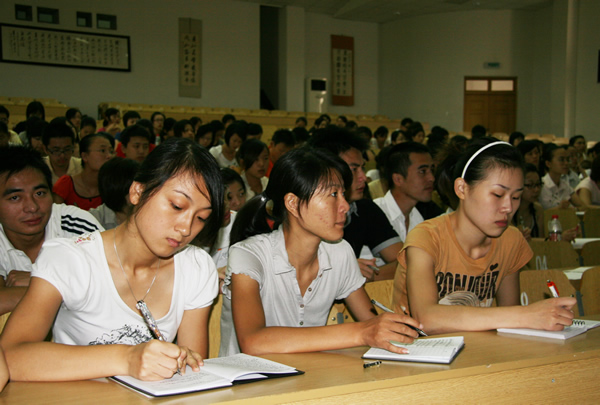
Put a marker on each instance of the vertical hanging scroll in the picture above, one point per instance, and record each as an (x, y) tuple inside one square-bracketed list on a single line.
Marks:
[(190, 66), (342, 70)]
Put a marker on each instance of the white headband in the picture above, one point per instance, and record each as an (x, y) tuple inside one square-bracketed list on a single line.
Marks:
[(489, 145)]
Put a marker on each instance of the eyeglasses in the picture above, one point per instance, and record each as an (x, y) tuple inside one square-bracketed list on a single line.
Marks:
[(58, 152), (534, 185)]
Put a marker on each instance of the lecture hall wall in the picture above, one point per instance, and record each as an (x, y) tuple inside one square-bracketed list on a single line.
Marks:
[(407, 67)]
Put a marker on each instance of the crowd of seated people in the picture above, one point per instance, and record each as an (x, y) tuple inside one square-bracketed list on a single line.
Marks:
[(253, 221)]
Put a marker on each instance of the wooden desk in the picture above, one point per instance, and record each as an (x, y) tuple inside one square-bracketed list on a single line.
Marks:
[(491, 369)]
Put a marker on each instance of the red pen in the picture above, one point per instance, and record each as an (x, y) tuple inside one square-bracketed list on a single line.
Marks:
[(552, 288)]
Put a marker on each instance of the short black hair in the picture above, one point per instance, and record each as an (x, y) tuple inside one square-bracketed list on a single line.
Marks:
[(338, 140), (87, 121), (302, 119), (301, 135), (284, 136), (254, 129), (227, 117), (57, 129), (4, 110), (114, 180), (72, 112), (129, 115), (406, 122), (398, 159), (134, 131), (574, 139), (514, 136), (16, 158), (478, 131), (249, 152), (236, 128)]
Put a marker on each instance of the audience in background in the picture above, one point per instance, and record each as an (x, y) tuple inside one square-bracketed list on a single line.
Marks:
[(380, 137), (114, 180), (301, 122), (478, 131), (168, 129), (301, 136), (282, 141), (415, 133), (253, 157), (135, 141), (35, 131), (4, 134), (28, 219), (112, 122), (205, 136), (588, 189), (254, 131), (88, 126), (34, 108), (235, 134), (409, 171), (73, 116), (556, 191), (574, 166), (341, 121), (196, 122), (227, 120), (218, 132), (82, 189), (158, 122), (516, 138), (58, 140), (183, 129), (580, 145), (405, 123), (531, 154)]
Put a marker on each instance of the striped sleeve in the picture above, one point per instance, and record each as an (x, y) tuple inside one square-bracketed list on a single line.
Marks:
[(75, 221)]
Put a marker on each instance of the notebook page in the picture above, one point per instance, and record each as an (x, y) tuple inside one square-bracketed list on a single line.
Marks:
[(191, 381), (237, 365), (439, 347)]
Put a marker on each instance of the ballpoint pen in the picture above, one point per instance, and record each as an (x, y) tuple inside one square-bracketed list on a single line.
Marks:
[(552, 288), (386, 309)]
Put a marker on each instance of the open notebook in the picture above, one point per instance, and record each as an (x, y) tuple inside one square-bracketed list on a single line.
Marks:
[(216, 373), (422, 350), (579, 326)]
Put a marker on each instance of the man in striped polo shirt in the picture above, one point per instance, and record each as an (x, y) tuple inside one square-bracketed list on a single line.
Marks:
[(28, 218)]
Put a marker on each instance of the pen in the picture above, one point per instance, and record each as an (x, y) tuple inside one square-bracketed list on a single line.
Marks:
[(552, 288), (375, 269), (375, 363), (152, 325), (386, 309)]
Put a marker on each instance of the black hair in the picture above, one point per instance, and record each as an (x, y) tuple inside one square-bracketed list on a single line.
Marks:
[(338, 140), (169, 124), (326, 117), (406, 122), (235, 128), (57, 129), (228, 117), (381, 132), (4, 110), (343, 118), (445, 174), (548, 155), (217, 125), (529, 168), (146, 123), (16, 158), (109, 113), (4, 128), (35, 107), (459, 143), (71, 113), (514, 136), (129, 115), (249, 152), (303, 119), (574, 139), (503, 156), (380, 160), (86, 142), (181, 156), (302, 172), (364, 132), (203, 130), (179, 127), (254, 129), (132, 131), (595, 173), (351, 124), (87, 121), (35, 127), (284, 136), (114, 180), (230, 176), (478, 131), (595, 149), (397, 133), (398, 159), (155, 114), (301, 135), (413, 129), (195, 120), (526, 146)]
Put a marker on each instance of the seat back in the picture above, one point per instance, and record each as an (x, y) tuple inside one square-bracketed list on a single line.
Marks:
[(590, 291), (534, 284), (568, 219), (556, 254), (590, 253), (591, 222)]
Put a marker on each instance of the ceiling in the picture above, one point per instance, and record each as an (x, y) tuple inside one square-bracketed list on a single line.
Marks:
[(381, 11)]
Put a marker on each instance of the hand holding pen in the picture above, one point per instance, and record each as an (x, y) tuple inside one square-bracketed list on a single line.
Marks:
[(386, 309)]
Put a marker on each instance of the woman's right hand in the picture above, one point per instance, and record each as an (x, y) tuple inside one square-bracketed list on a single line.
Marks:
[(380, 330), (550, 314), (153, 360)]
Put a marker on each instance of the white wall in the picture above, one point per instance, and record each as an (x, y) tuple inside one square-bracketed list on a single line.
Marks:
[(424, 61), (230, 52), (587, 118), (319, 29)]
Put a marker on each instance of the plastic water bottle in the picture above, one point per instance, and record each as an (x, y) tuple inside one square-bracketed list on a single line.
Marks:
[(554, 229)]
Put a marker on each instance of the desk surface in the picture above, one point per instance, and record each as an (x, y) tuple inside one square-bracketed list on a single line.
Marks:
[(491, 367)]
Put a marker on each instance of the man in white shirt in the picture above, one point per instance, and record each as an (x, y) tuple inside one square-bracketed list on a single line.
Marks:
[(28, 218), (409, 169), (59, 143)]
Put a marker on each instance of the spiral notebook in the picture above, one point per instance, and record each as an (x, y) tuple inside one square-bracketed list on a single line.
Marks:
[(428, 350), (579, 326)]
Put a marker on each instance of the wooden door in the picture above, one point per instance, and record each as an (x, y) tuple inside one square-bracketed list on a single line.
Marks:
[(491, 102)]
